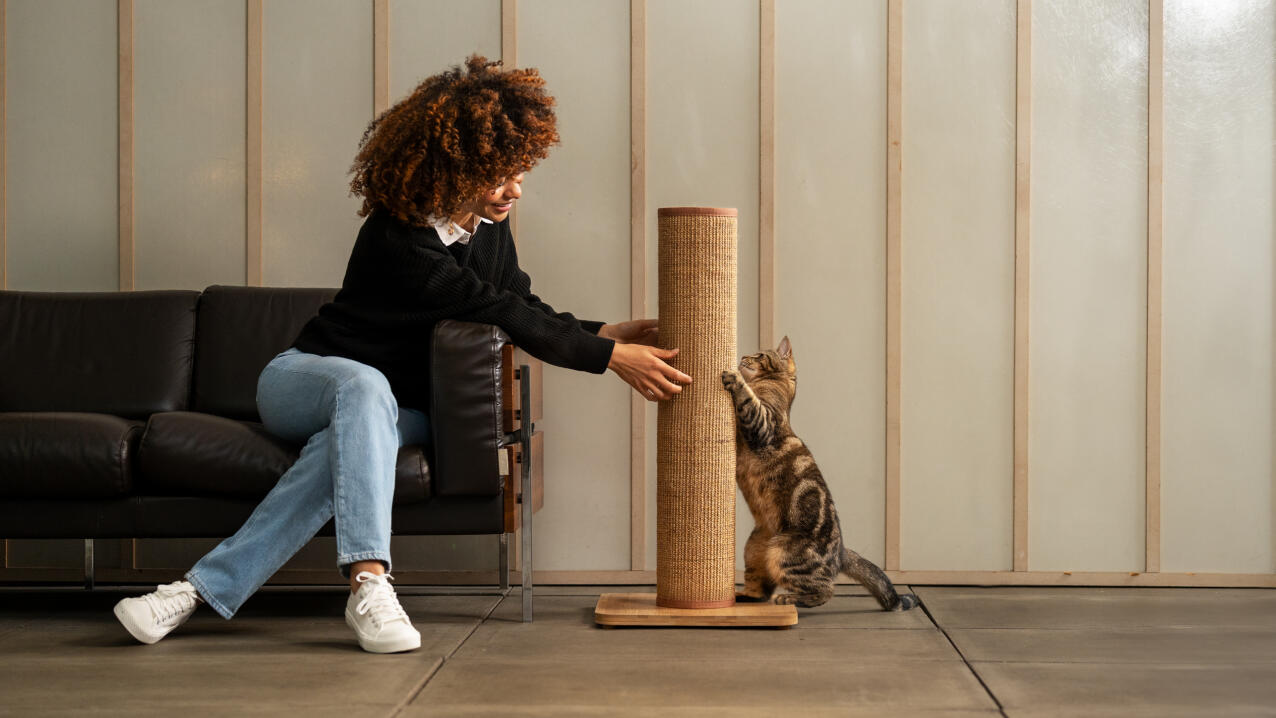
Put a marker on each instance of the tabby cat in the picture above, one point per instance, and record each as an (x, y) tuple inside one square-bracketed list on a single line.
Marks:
[(797, 542)]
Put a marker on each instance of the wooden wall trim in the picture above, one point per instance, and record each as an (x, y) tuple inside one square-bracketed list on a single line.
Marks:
[(509, 33), (380, 56), (766, 174), (1084, 578), (894, 131), (637, 273), (1023, 197), (406, 577), (253, 146), (1156, 223), (509, 58), (124, 84)]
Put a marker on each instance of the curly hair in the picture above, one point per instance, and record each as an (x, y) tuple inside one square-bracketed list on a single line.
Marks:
[(460, 133)]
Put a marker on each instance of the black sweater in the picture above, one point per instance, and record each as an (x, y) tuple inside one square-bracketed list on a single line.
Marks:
[(401, 280)]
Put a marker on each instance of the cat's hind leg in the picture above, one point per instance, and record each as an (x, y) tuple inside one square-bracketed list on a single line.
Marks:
[(759, 583), (803, 573), (806, 593)]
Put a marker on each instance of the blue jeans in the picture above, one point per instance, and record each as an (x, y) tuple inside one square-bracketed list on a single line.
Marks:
[(353, 428)]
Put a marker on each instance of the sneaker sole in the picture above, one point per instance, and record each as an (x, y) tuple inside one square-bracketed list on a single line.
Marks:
[(372, 645), (134, 631)]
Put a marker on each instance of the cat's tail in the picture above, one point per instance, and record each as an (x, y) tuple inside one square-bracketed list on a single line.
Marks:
[(876, 581)]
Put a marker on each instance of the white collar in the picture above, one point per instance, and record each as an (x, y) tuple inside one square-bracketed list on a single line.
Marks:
[(450, 231)]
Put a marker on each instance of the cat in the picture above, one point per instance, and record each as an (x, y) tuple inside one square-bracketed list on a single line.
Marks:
[(797, 541)]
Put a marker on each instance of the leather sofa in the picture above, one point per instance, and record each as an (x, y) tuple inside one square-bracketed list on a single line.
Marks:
[(133, 415)]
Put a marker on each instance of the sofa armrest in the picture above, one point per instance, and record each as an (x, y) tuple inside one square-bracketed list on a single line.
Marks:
[(466, 412)]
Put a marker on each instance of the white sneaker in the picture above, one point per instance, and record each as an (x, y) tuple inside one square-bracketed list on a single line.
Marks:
[(377, 618), (153, 616)]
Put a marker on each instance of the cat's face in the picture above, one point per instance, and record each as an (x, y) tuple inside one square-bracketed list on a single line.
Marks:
[(772, 365)]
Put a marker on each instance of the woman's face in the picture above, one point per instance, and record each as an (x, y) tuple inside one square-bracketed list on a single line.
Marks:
[(496, 203)]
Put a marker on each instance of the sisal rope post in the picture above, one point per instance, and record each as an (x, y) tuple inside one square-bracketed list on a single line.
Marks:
[(695, 439), (695, 434)]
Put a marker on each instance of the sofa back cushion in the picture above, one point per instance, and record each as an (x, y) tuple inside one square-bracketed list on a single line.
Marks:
[(122, 353), (240, 329)]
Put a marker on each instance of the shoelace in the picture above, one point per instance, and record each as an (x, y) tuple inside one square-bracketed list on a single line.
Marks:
[(169, 600), (380, 600)]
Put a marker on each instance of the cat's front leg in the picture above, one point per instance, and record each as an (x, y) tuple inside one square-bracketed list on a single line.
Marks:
[(740, 390), (756, 424)]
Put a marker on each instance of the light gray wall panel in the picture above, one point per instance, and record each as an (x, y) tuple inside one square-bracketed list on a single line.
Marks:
[(62, 145), (958, 286), (1217, 468), (428, 36), (702, 141), (318, 101), (189, 147), (1088, 287), (830, 245), (573, 230)]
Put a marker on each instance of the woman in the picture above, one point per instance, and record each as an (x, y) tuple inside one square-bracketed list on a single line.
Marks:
[(439, 174)]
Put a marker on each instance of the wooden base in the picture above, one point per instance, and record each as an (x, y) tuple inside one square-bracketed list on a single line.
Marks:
[(640, 609)]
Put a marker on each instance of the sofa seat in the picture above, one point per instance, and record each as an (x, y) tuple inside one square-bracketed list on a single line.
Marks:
[(187, 453), (66, 455)]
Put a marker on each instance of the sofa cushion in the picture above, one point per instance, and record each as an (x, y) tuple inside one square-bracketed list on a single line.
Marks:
[(239, 330), (66, 455), (122, 353), (193, 454)]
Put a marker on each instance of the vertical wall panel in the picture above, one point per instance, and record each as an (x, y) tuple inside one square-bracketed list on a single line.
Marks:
[(702, 146), (318, 100), (831, 257), (573, 230), (957, 344), (1089, 282), (62, 145), (189, 143), (428, 36), (1218, 407)]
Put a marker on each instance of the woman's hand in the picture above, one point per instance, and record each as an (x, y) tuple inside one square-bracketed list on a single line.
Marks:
[(638, 331), (644, 368)]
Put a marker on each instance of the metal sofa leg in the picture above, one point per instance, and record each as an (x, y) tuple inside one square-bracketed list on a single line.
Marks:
[(525, 396), (503, 562), (88, 564), (526, 547)]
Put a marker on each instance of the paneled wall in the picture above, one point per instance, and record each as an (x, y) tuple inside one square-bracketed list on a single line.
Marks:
[(1023, 248), (958, 285)]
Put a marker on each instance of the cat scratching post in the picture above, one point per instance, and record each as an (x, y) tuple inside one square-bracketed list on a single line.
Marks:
[(695, 438)]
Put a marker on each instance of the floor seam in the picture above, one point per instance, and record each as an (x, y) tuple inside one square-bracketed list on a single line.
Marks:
[(425, 680), (1000, 708)]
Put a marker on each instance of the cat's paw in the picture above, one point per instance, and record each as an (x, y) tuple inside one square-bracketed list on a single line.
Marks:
[(907, 601), (729, 379), (802, 600), (745, 598)]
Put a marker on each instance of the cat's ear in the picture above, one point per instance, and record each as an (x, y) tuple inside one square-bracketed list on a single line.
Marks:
[(785, 349)]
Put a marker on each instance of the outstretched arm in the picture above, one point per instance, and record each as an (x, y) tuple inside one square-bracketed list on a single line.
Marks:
[(638, 331)]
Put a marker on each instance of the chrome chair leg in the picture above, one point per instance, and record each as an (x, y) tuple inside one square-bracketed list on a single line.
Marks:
[(525, 397), (503, 562)]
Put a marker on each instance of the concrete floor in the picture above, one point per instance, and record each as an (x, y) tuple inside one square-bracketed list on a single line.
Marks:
[(970, 651)]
